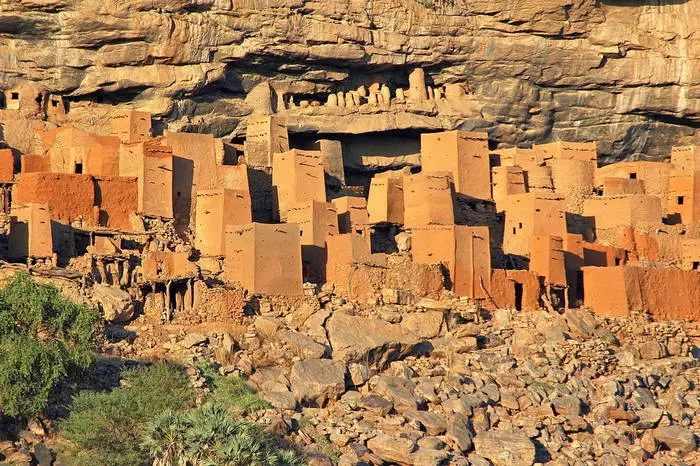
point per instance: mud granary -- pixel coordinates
(167, 216)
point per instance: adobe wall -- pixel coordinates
(156, 181)
(31, 163)
(264, 258)
(217, 208)
(427, 199)
(332, 157)
(563, 150)
(103, 157)
(657, 246)
(71, 150)
(364, 282)
(166, 265)
(632, 210)
(297, 177)
(117, 197)
(573, 261)
(573, 178)
(68, 196)
(665, 293)
(526, 159)
(547, 259)
(352, 213)
(655, 175)
(194, 168)
(348, 248)
(539, 179)
(528, 215)
(472, 270)
(385, 202)
(265, 136)
(233, 177)
(7, 165)
(531, 289)
(506, 180)
(31, 232)
(601, 255)
(690, 254)
(684, 197)
(465, 155)
(316, 221)
(464, 251)
(622, 186)
(685, 159)
(131, 126)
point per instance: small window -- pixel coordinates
(14, 95)
(696, 265)
(78, 168)
(520, 225)
(54, 103)
(633, 176)
(680, 200)
(617, 261)
(513, 230)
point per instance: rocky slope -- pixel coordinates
(626, 73)
(442, 382)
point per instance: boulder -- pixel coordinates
(676, 438)
(505, 448)
(398, 389)
(280, 399)
(424, 324)
(115, 304)
(367, 340)
(458, 432)
(377, 405)
(194, 339)
(302, 345)
(317, 381)
(392, 449)
(432, 423)
(568, 405)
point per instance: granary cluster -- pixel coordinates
(512, 228)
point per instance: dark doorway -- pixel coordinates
(518, 296)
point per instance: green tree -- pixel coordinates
(209, 436)
(105, 428)
(44, 338)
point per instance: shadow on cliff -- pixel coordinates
(636, 3)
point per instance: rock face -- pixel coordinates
(624, 73)
(316, 381)
(505, 448)
(361, 339)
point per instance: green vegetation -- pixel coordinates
(429, 4)
(44, 338)
(231, 392)
(306, 426)
(106, 427)
(209, 436)
(152, 420)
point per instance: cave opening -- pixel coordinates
(366, 154)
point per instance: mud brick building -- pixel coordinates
(524, 228)
(465, 155)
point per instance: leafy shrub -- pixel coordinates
(44, 337)
(106, 427)
(209, 436)
(231, 392)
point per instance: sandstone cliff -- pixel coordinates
(623, 72)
